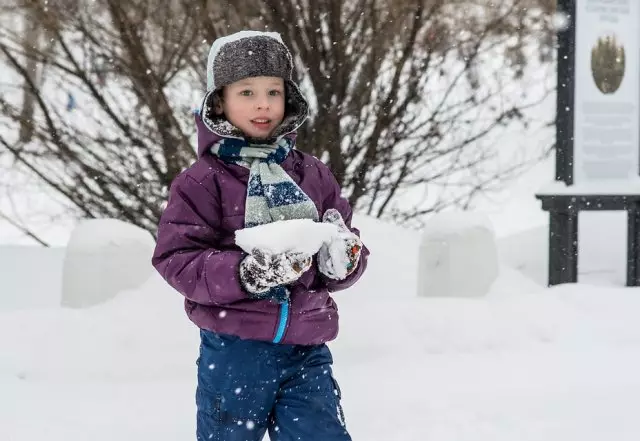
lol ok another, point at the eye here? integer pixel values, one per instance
(275, 92)
(246, 92)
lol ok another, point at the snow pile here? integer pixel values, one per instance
(30, 277)
(444, 224)
(104, 257)
(458, 256)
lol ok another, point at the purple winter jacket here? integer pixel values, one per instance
(196, 252)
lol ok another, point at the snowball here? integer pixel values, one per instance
(295, 235)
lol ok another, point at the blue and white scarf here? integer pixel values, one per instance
(271, 193)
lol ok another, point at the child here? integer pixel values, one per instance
(264, 319)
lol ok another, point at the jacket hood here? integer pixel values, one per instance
(248, 54)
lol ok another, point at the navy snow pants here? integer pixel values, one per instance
(246, 388)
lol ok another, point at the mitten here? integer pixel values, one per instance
(263, 275)
(339, 258)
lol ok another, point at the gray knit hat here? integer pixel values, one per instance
(250, 54)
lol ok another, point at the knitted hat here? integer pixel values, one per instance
(248, 54)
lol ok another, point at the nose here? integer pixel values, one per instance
(262, 102)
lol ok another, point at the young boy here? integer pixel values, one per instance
(264, 319)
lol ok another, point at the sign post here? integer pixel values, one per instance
(597, 128)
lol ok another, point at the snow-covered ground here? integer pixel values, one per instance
(524, 363)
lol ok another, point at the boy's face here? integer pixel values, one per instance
(254, 105)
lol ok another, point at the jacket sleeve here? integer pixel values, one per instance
(187, 253)
(334, 199)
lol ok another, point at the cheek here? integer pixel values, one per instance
(234, 111)
(279, 106)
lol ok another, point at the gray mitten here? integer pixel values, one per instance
(263, 275)
(339, 258)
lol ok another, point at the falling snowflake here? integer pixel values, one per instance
(561, 21)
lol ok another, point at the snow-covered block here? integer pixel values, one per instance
(104, 257)
(458, 256)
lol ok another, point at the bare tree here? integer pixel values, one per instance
(397, 88)
(112, 120)
(409, 89)
(31, 41)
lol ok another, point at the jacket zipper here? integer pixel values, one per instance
(282, 322)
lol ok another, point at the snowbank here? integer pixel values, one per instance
(521, 363)
(104, 257)
(31, 277)
(458, 256)
(527, 252)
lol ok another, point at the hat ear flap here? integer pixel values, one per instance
(216, 123)
(296, 109)
(212, 108)
(217, 99)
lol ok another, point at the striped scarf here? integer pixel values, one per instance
(271, 193)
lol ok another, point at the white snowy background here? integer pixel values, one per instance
(522, 363)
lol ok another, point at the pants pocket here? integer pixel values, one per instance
(209, 416)
(208, 403)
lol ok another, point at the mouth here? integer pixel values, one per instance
(261, 122)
